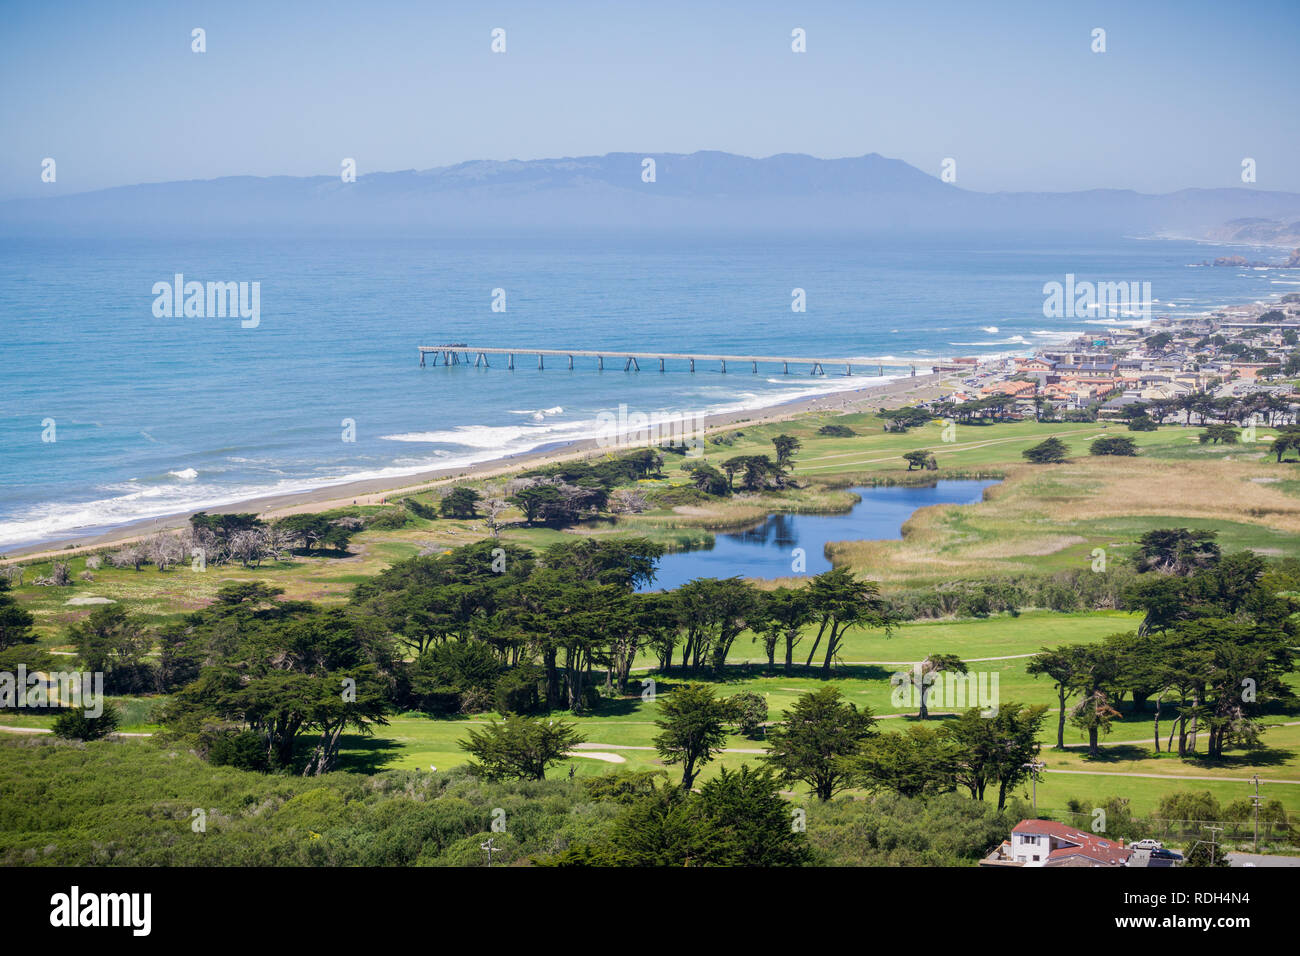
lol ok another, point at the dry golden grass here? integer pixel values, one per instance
(1224, 490)
(1037, 547)
(1040, 511)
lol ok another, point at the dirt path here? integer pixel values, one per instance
(968, 660)
(45, 730)
(727, 750)
(1166, 776)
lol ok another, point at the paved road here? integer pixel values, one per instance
(1260, 859)
(1166, 776)
(46, 730)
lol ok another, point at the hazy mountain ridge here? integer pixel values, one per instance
(705, 190)
(1256, 229)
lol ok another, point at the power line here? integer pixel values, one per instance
(1213, 841)
(1255, 801)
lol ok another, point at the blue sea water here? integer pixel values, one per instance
(154, 416)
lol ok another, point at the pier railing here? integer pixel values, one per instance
(459, 354)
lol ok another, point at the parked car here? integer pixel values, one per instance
(1148, 845)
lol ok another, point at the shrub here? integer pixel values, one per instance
(680, 495)
(1142, 423)
(891, 830)
(749, 712)
(517, 690)
(629, 501)
(390, 519)
(1113, 445)
(837, 431)
(441, 701)
(60, 576)
(975, 604)
(75, 724)
(1219, 433)
(243, 749)
(476, 700)
(459, 664)
(1049, 452)
(1120, 823)
(460, 502)
(420, 509)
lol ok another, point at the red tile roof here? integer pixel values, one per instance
(1089, 845)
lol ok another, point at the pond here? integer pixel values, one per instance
(767, 549)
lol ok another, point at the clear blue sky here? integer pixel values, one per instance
(1185, 90)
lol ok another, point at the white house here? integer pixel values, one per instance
(1048, 843)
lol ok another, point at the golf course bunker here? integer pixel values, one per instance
(597, 755)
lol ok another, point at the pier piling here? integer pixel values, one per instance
(459, 354)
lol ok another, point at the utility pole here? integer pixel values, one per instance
(1255, 801)
(1035, 767)
(490, 849)
(1214, 842)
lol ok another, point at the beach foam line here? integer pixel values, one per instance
(54, 521)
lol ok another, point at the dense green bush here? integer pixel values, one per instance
(1073, 590)
(244, 750)
(1120, 445)
(890, 830)
(518, 690)
(749, 711)
(420, 510)
(440, 701)
(678, 495)
(460, 665)
(390, 519)
(606, 472)
(74, 723)
(129, 803)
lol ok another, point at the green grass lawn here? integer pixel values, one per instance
(1039, 520)
(625, 726)
(997, 636)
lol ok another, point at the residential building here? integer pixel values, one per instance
(1048, 843)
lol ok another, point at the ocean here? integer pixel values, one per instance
(110, 413)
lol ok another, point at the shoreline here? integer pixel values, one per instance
(375, 491)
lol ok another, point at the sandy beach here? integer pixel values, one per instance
(377, 490)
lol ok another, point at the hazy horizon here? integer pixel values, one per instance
(332, 176)
(1016, 96)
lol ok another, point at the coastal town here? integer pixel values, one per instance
(1222, 367)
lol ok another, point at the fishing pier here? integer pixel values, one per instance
(459, 354)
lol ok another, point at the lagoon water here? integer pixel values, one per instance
(767, 549)
(154, 416)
